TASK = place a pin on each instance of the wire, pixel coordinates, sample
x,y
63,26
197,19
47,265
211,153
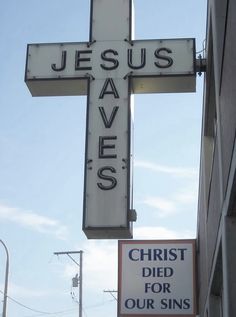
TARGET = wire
x,y
99,304
203,50
41,313
60,313
35,310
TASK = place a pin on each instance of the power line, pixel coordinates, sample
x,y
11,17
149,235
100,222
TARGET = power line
x,y
99,304
59,313
111,293
41,313
35,310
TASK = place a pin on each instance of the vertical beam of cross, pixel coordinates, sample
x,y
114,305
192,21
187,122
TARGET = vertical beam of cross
x,y
111,20
107,166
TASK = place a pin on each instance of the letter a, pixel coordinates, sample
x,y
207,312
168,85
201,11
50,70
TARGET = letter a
x,y
112,91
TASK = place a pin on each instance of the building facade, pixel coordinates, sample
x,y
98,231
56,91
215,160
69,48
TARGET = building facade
x,y
216,241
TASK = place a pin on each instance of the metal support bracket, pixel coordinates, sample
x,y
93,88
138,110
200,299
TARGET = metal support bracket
x,y
201,65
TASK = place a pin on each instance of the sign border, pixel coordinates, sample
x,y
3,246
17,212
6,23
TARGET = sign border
x,y
180,241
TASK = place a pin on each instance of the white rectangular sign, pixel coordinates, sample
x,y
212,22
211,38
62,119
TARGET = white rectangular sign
x,y
156,278
153,65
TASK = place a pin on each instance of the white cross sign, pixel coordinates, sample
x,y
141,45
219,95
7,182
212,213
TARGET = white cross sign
x,y
108,69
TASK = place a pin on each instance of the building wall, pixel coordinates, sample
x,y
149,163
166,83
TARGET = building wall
x,y
217,187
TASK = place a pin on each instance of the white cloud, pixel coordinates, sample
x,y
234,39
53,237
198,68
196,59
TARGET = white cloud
x,y
161,233
33,221
165,207
182,172
174,203
186,197
100,267
100,264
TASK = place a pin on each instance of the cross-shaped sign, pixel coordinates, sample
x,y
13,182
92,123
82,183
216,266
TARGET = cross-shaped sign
x,y
109,68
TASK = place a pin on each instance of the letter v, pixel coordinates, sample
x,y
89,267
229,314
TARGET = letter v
x,y
108,122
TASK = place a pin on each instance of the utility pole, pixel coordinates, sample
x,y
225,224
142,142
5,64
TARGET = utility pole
x,y
80,264
4,310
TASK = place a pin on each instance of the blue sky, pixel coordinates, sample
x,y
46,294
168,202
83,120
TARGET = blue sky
x,y
42,157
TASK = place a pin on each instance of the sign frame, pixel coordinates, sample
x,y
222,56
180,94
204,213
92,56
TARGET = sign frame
x,y
158,243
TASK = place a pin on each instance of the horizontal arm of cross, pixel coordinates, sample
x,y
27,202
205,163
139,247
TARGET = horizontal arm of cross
x,y
154,65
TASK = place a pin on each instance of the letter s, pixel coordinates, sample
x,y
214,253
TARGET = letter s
x,y
166,58
186,303
105,58
111,179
